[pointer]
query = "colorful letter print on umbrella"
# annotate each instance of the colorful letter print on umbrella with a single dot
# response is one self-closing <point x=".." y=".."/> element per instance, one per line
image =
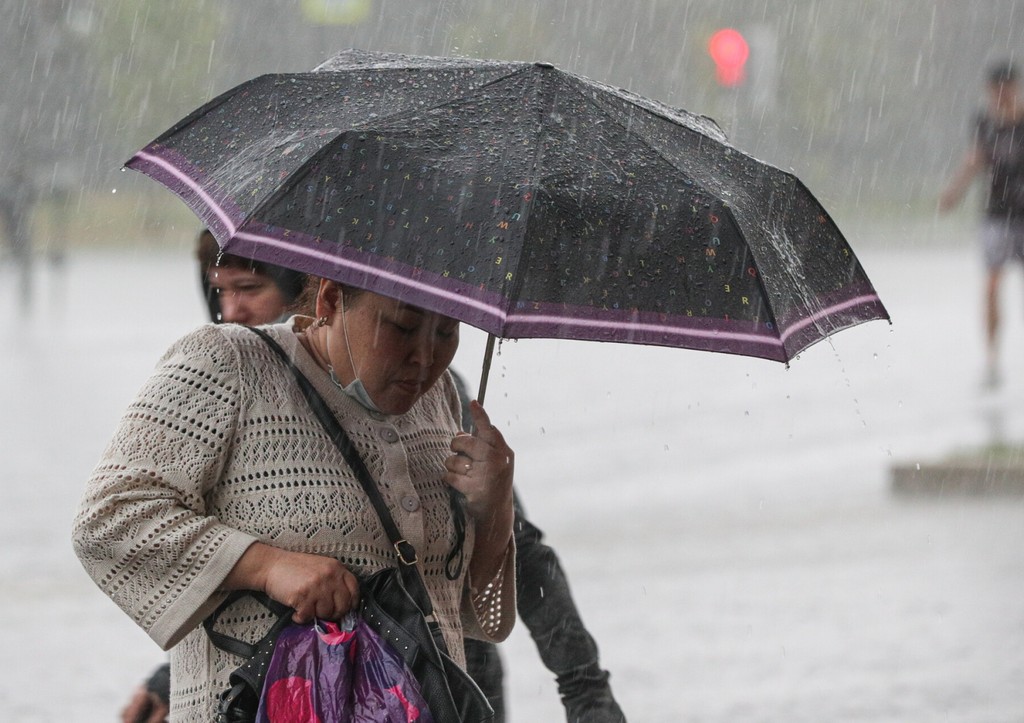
<point x="331" y="673"/>
<point x="525" y="200"/>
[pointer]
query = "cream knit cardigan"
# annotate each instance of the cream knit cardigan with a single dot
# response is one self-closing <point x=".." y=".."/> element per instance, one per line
<point x="218" y="450"/>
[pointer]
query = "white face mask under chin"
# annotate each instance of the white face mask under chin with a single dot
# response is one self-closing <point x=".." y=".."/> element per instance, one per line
<point x="356" y="390"/>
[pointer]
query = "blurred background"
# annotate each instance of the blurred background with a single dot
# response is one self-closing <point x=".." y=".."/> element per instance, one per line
<point x="727" y="524"/>
<point x="869" y="102"/>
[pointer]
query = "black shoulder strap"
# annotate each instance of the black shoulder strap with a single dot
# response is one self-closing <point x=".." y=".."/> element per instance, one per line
<point x="240" y="647"/>
<point x="403" y="548"/>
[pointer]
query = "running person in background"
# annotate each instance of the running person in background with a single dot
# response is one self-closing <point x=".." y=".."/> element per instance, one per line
<point x="998" y="151"/>
<point x="241" y="291"/>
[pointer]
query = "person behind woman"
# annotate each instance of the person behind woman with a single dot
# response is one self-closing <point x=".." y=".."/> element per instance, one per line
<point x="238" y="290"/>
<point x="220" y="477"/>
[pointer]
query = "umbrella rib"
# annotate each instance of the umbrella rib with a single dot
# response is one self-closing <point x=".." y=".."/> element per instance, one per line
<point x="520" y="276"/>
<point x="666" y="118"/>
<point x="606" y="113"/>
<point x="660" y="155"/>
<point x="287" y="183"/>
<point x="651" y="106"/>
<point x="760" y="283"/>
<point x="514" y="70"/>
<point x="783" y="334"/>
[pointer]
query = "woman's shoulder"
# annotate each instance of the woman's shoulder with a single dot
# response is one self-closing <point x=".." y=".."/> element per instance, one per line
<point x="218" y="349"/>
<point x="230" y="358"/>
<point x="224" y="338"/>
<point x="207" y="342"/>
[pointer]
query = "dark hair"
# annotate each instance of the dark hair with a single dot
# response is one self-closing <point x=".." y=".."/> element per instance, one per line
<point x="1002" y="72"/>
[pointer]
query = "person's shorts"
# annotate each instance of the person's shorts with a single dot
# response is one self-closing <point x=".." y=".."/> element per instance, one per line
<point x="1002" y="240"/>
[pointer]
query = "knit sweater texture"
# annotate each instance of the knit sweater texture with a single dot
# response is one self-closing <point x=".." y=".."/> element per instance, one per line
<point x="218" y="450"/>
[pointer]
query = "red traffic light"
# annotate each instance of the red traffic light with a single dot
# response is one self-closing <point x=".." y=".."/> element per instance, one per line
<point x="729" y="50"/>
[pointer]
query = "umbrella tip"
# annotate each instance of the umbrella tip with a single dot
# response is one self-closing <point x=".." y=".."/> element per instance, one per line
<point x="546" y="66"/>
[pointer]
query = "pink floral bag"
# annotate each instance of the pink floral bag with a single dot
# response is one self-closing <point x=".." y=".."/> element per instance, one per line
<point x="339" y="673"/>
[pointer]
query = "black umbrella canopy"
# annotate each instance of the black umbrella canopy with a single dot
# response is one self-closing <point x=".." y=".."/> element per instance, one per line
<point x="522" y="199"/>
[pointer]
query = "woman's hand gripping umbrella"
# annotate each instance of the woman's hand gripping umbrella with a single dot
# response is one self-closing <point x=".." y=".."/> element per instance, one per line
<point x="481" y="468"/>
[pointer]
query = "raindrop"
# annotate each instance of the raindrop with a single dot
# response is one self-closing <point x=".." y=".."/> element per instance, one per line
<point x="113" y="190"/>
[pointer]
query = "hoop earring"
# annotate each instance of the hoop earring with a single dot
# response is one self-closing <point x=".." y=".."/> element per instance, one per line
<point x="321" y="321"/>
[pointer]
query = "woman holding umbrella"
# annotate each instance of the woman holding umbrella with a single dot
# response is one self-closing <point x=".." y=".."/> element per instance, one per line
<point x="219" y="477"/>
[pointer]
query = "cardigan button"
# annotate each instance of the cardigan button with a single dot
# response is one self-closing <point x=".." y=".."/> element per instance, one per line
<point x="410" y="503"/>
<point x="389" y="435"/>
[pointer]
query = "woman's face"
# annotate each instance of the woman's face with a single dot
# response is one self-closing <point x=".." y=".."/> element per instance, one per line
<point x="397" y="350"/>
<point x="245" y="296"/>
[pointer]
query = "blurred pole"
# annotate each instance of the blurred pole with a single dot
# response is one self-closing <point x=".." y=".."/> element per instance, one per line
<point x="729" y="50"/>
<point x="755" y="98"/>
<point x="763" y="67"/>
<point x="44" y="118"/>
<point x="17" y="201"/>
<point x="760" y="99"/>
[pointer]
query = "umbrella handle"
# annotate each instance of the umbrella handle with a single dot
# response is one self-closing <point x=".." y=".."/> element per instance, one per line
<point x="486" y="371"/>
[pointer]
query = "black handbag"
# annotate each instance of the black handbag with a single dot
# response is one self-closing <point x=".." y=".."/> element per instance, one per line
<point x="239" y="703"/>
<point x="394" y="601"/>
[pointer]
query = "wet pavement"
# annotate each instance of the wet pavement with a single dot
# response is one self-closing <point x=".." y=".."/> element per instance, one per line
<point x="727" y="524"/>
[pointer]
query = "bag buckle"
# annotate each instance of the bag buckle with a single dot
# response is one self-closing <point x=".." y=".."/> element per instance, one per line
<point x="406" y="552"/>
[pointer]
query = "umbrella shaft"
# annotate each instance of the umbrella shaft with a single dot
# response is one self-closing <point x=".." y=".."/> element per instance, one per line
<point x="486" y="371"/>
